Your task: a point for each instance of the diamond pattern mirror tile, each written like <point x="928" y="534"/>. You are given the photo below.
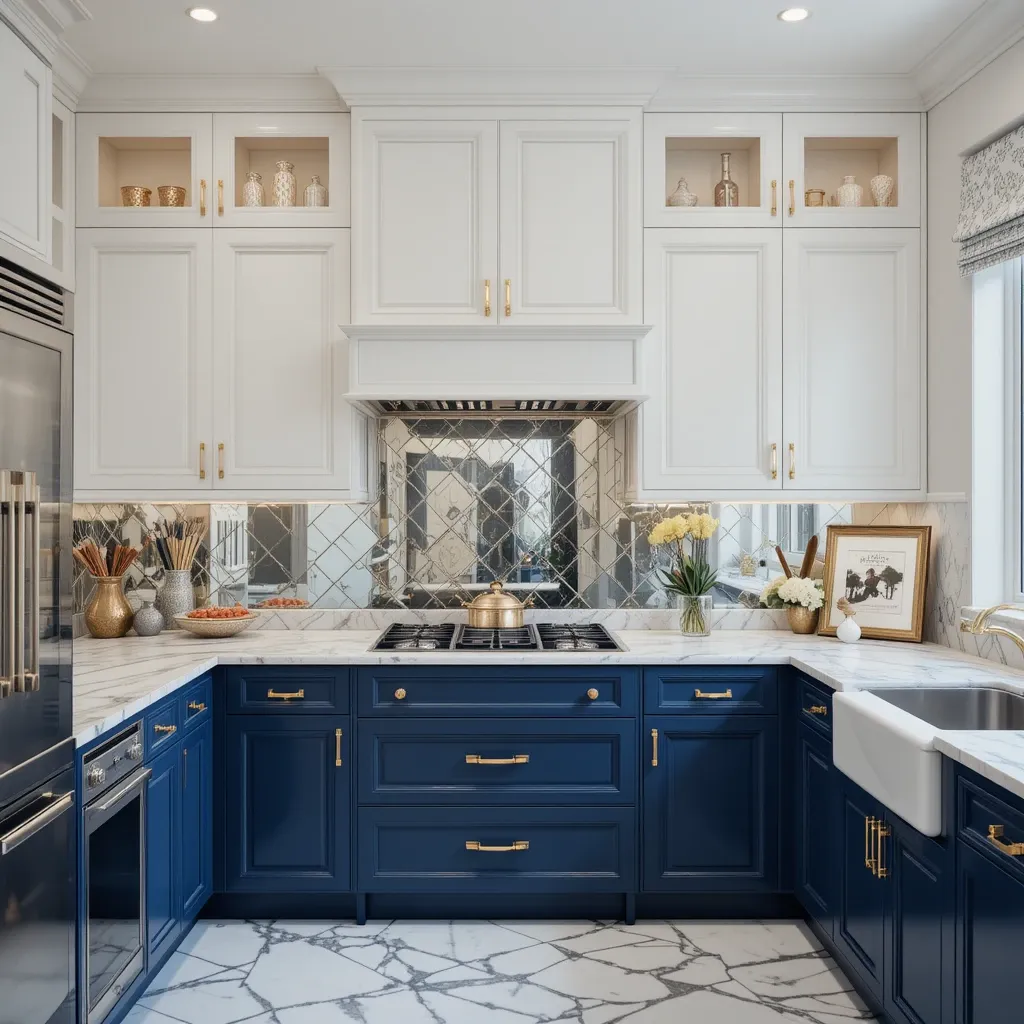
<point x="462" y="502"/>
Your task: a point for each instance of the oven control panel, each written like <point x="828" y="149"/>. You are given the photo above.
<point x="112" y="761"/>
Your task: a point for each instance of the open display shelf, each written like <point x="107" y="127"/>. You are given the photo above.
<point x="828" y="160"/>
<point x="310" y="155"/>
<point x="699" y="161"/>
<point x="149" y="162"/>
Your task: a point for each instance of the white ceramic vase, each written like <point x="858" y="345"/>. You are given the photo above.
<point x="252" y="190"/>
<point x="850" y="193"/>
<point x="848" y="631"/>
<point x="682" y="196"/>
<point x="881" y="189"/>
<point x="284" y="184"/>
<point x="316" y="194"/>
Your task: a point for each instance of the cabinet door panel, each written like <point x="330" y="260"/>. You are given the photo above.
<point x="196" y="820"/>
<point x="815" y="857"/>
<point x="142" y="396"/>
<point x="852" y="359"/>
<point x="715" y="300"/>
<point x="424" y="220"/>
<point x="570" y="218"/>
<point x="163" y="862"/>
<point x="711" y="804"/>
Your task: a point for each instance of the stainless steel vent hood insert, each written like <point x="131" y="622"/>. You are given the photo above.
<point x="496" y="370"/>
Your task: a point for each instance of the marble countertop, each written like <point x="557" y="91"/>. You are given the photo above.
<point x="115" y="679"/>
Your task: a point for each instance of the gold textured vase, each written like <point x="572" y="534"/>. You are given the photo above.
<point x="171" y="195"/>
<point x="802" y="620"/>
<point x="135" y="195"/>
<point x="108" y="613"/>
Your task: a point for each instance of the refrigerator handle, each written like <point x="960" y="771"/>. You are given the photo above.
<point x="6" y="585"/>
<point x="17" y="505"/>
<point x="32" y="495"/>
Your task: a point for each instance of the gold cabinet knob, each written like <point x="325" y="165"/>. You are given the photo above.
<point x="593" y="693"/>
<point x="400" y="694"/>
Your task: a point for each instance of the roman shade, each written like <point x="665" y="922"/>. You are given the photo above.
<point x="991" y="225"/>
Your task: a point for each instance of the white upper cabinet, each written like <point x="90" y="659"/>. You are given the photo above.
<point x="256" y="147"/>
<point x="62" y="203"/>
<point x="143" y="359"/>
<point x="280" y="364"/>
<point x="116" y="152"/>
<point x="570" y="221"/>
<point x="684" y="159"/>
<point x="852" y="360"/>
<point x="425" y="221"/>
<point x="713" y="423"/>
<point x="822" y="151"/>
<point x="25" y="139"/>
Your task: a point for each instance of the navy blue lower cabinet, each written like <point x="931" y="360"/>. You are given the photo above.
<point x="815" y="869"/>
<point x="496" y="849"/>
<point x="288" y="810"/>
<point x="196" y="819"/>
<point x="163" y="826"/>
<point x="711" y="803"/>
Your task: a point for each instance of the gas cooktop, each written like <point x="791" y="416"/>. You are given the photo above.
<point x="545" y="636"/>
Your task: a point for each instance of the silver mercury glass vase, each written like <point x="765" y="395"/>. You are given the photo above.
<point x="175" y="597"/>
<point x="149" y="621"/>
<point x="284" y="183"/>
<point x="252" y="190"/>
<point x="316" y="193"/>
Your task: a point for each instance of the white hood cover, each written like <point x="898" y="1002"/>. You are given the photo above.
<point x="496" y="369"/>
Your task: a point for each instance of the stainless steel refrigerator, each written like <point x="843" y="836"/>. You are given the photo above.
<point x="37" y="790"/>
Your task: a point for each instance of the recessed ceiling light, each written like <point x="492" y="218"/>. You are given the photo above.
<point x="205" y="14"/>
<point x="794" y="14"/>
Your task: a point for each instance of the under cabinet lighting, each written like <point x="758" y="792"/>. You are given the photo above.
<point x="202" y="14"/>
<point x="794" y="14"/>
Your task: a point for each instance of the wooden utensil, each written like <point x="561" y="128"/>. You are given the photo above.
<point x="782" y="561"/>
<point x="808" y="562"/>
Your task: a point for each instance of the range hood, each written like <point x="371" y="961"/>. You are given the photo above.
<point x="491" y="370"/>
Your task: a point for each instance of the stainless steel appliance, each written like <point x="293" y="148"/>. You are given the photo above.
<point x="544" y="636"/>
<point x="37" y="834"/>
<point x="114" y="868"/>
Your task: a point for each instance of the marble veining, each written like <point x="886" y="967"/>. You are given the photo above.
<point x="500" y="972"/>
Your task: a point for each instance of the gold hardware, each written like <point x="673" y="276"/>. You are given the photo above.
<point x="202" y="197"/>
<point x="337" y="748"/>
<point x="220" y="197"/>
<point x="518" y="846"/>
<point x="220" y="461"/>
<point x="193" y="706"/>
<point x="169" y="729"/>
<point x="792" y="461"/>
<point x="593" y="693"/>
<point x="995" y="837"/>
<point x="869" y="832"/>
<point x="514" y="759"/>
<point x="202" y="460"/>
<point x="978" y="624"/>
<point x="775" y="459"/>
<point x="882" y="831"/>
<point x="487" y="298"/>
<point x="654" y="755"/>
<point x="508" y="297"/>
<point x="297" y="695"/>
<point x="400" y="693"/>
<point x="792" y="197"/>
<point x="723" y="695"/>
<point x="817" y="709"/>
<point x="775" y="205"/>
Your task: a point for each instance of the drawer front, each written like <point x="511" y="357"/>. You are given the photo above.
<point x="525" y="849"/>
<point x="977" y="810"/>
<point x="162" y="727"/>
<point x="288" y="690"/>
<point x="546" y="690"/>
<point x="506" y="761"/>
<point x="743" y="690"/>
<point x="197" y="703"/>
<point x="815" y="703"/>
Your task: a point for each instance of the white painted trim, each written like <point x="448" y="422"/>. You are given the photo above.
<point x="946" y="497"/>
<point x="71" y="74"/>
<point x="41" y="22"/>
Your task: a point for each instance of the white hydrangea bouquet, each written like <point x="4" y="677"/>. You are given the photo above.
<point x="691" y="577"/>
<point x="802" y="599"/>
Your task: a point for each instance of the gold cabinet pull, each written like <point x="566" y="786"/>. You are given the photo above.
<point x="337" y="748"/>
<point x="593" y="693"/>
<point x="168" y="729"/>
<point x="487" y="297"/>
<point x="882" y="832"/>
<point x="220" y="197"/>
<point x="995" y="837"/>
<point x="722" y="695"/>
<point x="817" y="709"/>
<point x="202" y="460"/>
<point x="202" y="197"/>
<point x="517" y="847"/>
<point x="869" y="834"/>
<point x="792" y="461"/>
<point x="193" y="706"/>
<point x="792" y="197"/>
<point x="775" y="205"/>
<point x="654" y="754"/>
<point x="514" y="759"/>
<point x="297" y="695"/>
<point x="775" y="459"/>
<point x="400" y="693"/>
<point x="220" y="461"/>
<point x="508" y="297"/>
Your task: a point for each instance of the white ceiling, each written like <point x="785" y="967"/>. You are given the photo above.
<point x="843" y="37"/>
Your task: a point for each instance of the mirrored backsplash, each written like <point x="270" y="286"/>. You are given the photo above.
<point x="536" y="503"/>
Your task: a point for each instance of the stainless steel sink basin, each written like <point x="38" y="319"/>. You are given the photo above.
<point x="952" y="707"/>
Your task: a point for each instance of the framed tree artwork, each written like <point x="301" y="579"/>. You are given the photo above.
<point x="882" y="571"/>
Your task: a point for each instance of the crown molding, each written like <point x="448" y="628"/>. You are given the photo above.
<point x="114" y="93"/>
<point x="70" y="75"/>
<point x="41" y="22"/>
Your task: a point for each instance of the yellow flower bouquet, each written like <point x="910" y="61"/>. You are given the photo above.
<point x="691" y="577"/>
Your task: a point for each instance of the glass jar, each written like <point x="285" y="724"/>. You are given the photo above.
<point x="695" y="615"/>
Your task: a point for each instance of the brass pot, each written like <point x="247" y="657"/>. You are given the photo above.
<point x="801" y="619"/>
<point x="135" y="195"/>
<point x="171" y="195"/>
<point x="108" y="613"/>
<point x="494" y="609"/>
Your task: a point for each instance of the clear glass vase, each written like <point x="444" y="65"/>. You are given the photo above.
<point x="695" y="615"/>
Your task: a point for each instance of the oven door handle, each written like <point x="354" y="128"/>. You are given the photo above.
<point x="13" y="839"/>
<point x="137" y="781"/>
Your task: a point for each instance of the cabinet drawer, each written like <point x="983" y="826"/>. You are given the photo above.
<point x="744" y="690"/>
<point x="815" y="703"/>
<point x="161" y="726"/>
<point x="545" y="690"/>
<point x="977" y="810"/>
<point x="498" y="760"/>
<point x="291" y="690"/>
<point x="197" y="703"/>
<point x="524" y="849"/>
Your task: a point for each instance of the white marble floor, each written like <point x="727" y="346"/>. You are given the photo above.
<point x="499" y="972"/>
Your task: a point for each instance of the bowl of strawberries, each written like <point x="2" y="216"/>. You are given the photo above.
<point x="214" y="622"/>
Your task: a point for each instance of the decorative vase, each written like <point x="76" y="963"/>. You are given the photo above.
<point x="850" y="193"/>
<point x="881" y="189"/>
<point x="171" y="195"/>
<point x="748" y="565"/>
<point x="108" y="613"/>
<point x="316" y="194"/>
<point x="148" y="620"/>
<point x="801" y="619"/>
<point x="135" y="195"/>
<point x="252" y="190"/>
<point x="848" y="631"/>
<point x="682" y="196"/>
<point x="175" y="597"/>
<point x="814" y="197"/>
<point x="284" y="183"/>
<point x="695" y="615"/>
<point x="727" y="192"/>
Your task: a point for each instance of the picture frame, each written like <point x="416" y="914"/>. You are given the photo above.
<point x="882" y="571"/>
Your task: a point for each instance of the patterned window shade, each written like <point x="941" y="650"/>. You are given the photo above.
<point x="991" y="225"/>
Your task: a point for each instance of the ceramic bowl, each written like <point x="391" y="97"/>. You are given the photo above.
<point x="211" y="629"/>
